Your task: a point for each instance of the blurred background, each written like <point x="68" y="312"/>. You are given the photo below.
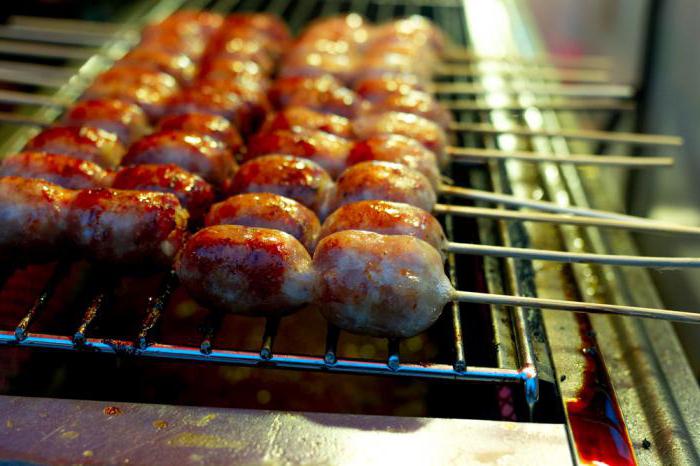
<point x="653" y="45"/>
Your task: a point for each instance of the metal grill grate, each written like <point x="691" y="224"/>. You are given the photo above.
<point x="457" y="366"/>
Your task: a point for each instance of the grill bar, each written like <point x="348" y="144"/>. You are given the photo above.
<point x="284" y="361"/>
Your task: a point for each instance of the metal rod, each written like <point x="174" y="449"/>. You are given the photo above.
<point x="513" y="201"/>
<point x="62" y="37"/>
<point x="30" y="49"/>
<point x="65" y="24"/>
<point x="332" y="336"/>
<point x="210" y="327"/>
<point x="30" y="78"/>
<point x="393" y="359"/>
<point x="271" y="327"/>
<point x="42" y="300"/>
<point x="581" y="134"/>
<point x="579" y="105"/>
<point x="568" y="90"/>
<point x="156" y="307"/>
<point x="27" y="98"/>
<point x="472" y="154"/>
<point x="79" y="337"/>
<point x="459" y="53"/>
<point x="23" y="120"/>
<point x="576" y="306"/>
<point x="290" y="361"/>
<point x="554" y="74"/>
<point x="572" y="257"/>
<point x="515" y="215"/>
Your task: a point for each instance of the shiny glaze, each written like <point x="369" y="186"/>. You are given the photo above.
<point x="124" y="119"/>
<point x="376" y="88"/>
<point x="149" y="89"/>
<point x="320" y="58"/>
<point x="379" y="285"/>
<point x="128" y="227"/>
<point x="428" y="133"/>
<point x="243" y="270"/>
<point x="190" y="23"/>
<point x="33" y="215"/>
<point x="249" y="34"/>
<point x="269" y="24"/>
<point x="177" y="65"/>
<point x="245" y="107"/>
<point x="327" y="150"/>
<point x="214" y="126"/>
<point x="386" y="218"/>
<point x="416" y="30"/>
<point x="86" y="143"/>
<point x="415" y="102"/>
<point x="323" y="94"/>
<point x="194" y="194"/>
<point x="384" y="181"/>
<point x="351" y="28"/>
<point x="398" y="149"/>
<point x="302" y="117"/>
<point x="292" y="177"/>
<point x="63" y="170"/>
<point x="196" y="153"/>
<point x="251" y="70"/>
<point x="267" y="210"/>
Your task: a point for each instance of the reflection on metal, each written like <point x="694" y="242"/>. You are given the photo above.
<point x="39" y="431"/>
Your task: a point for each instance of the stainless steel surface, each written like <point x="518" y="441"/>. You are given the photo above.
<point x="656" y="391"/>
<point x="46" y="431"/>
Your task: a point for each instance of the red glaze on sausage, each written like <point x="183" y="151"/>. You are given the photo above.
<point x="267" y="210"/>
<point x="124" y="119"/>
<point x="427" y="132"/>
<point x="327" y="150"/>
<point x="384" y="181"/>
<point x="379" y="285"/>
<point x="303" y="117"/>
<point x="177" y="65"/>
<point x="194" y="194"/>
<point x="386" y="218"/>
<point x="214" y="126"/>
<point x="293" y="177"/>
<point x="243" y="270"/>
<point x="33" y="215"/>
<point x="147" y="88"/>
<point x="398" y="149"/>
<point x="86" y="143"/>
<point x="323" y="94"/>
<point x="63" y="170"/>
<point x="126" y="227"/>
<point x="196" y="153"/>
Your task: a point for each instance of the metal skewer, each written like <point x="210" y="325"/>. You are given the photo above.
<point x="575" y="306"/>
<point x="581" y="134"/>
<point x="35" y="49"/>
<point x="472" y="154"/>
<point x="552" y="89"/>
<point x="514" y="201"/>
<point x="459" y="53"/>
<point x="646" y="226"/>
<point x="583" y="105"/>
<point x="23" y="120"/>
<point x="571" y="257"/>
<point x="555" y="74"/>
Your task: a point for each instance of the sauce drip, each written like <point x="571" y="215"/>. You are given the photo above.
<point x="594" y="415"/>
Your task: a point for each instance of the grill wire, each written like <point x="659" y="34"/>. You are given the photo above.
<point x="449" y="15"/>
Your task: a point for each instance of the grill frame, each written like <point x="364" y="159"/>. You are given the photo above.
<point x="671" y="383"/>
<point x="522" y="369"/>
